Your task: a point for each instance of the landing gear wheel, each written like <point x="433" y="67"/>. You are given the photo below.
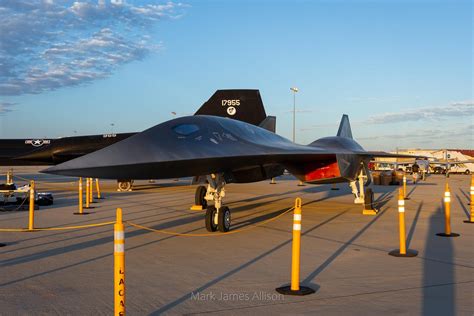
<point x="199" y="197"/>
<point x="224" y="219"/>
<point x="210" y="214"/>
<point x="369" y="199"/>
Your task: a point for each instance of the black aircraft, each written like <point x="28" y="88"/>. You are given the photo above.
<point x="244" y="105"/>
<point x="223" y="150"/>
<point x="18" y="152"/>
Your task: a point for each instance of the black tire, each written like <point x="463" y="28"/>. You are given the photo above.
<point x="467" y="172"/>
<point x="210" y="212"/>
<point x="224" y="219"/>
<point x="369" y="199"/>
<point x="199" y="196"/>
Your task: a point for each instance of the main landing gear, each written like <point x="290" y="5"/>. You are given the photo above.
<point x="218" y="217"/>
<point x="359" y="194"/>
<point x="200" y="197"/>
<point x="223" y="219"/>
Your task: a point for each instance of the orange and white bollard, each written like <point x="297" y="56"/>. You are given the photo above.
<point x="10" y="176"/>
<point x="405" y="187"/>
<point x="471" y="204"/>
<point x="81" y="206"/>
<point x="91" y="191"/>
<point x="402" y="252"/>
<point x="31" y="217"/>
<point x="295" y="288"/>
<point x="97" y="188"/>
<point x="88" y="194"/>
<point x="119" y="265"/>
<point x="447" y="214"/>
<point x="81" y="200"/>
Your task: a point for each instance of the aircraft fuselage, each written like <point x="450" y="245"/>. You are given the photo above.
<point x="202" y="145"/>
<point x="21" y="152"/>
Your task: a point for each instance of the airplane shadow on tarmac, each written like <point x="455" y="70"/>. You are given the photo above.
<point x="413" y="225"/>
<point x="261" y="197"/>
<point x="308" y="280"/>
<point x="218" y="279"/>
<point x="91" y="243"/>
<point x="22" y="177"/>
<point x="466" y="195"/>
<point x="267" y="216"/>
<point x="166" y="225"/>
<point x="341" y="249"/>
<point x="109" y="240"/>
<point x="464" y="208"/>
<point x="438" y="278"/>
<point x="383" y="198"/>
<point x="151" y="186"/>
<point x="77" y="237"/>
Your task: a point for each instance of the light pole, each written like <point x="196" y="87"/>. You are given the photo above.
<point x="294" y="89"/>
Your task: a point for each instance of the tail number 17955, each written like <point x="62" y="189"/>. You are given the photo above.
<point x="230" y="102"/>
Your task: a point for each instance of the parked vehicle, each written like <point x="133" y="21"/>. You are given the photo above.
<point x="438" y="170"/>
<point x="11" y="194"/>
<point x="461" y="168"/>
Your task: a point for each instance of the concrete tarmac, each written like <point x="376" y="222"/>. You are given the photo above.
<point x="344" y="254"/>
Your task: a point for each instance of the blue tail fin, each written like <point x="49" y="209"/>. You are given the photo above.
<point x="345" y="127"/>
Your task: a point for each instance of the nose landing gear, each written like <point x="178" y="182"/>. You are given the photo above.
<point x="218" y="217"/>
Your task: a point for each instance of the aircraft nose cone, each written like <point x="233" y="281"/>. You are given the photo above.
<point x="52" y="170"/>
<point x="126" y="158"/>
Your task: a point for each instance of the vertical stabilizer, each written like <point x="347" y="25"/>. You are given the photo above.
<point x="345" y="127"/>
<point x="239" y="104"/>
<point x="269" y="124"/>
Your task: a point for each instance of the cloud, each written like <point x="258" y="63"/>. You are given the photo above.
<point x="427" y="134"/>
<point x="433" y="114"/>
<point x="455" y="109"/>
<point x="47" y="45"/>
<point x="5" y="107"/>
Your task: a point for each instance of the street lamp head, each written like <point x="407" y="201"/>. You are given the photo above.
<point x="294" y="89"/>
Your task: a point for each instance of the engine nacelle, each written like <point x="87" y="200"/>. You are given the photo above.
<point x="253" y="174"/>
<point x="325" y="171"/>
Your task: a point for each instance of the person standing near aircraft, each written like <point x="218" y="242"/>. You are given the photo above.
<point x="415" y="169"/>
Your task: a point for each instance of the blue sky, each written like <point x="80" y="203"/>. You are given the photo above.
<point x="402" y="70"/>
